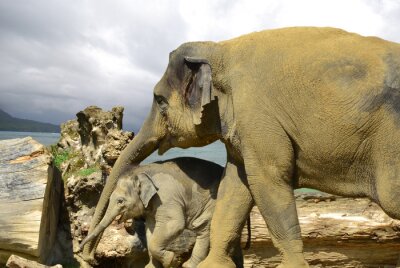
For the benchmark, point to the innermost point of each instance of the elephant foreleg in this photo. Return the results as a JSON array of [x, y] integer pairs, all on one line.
[[233, 205], [200, 250], [150, 225], [165, 231], [269, 174]]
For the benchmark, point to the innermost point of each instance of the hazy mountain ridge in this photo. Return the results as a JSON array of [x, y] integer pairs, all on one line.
[[10, 123]]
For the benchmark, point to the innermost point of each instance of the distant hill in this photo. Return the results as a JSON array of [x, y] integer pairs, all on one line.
[[9, 123]]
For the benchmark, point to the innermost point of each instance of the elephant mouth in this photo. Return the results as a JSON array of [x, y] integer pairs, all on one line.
[[170, 141], [120, 218], [164, 145]]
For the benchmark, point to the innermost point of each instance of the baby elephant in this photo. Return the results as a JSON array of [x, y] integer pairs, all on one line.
[[171, 195]]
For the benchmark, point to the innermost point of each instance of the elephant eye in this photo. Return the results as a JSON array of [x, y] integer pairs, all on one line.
[[161, 102], [120, 201]]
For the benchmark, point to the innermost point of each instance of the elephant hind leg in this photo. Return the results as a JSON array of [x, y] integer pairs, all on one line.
[[388, 194], [384, 158], [388, 190]]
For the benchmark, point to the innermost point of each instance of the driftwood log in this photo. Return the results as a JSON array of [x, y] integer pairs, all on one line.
[[19, 262], [30, 196], [337, 232]]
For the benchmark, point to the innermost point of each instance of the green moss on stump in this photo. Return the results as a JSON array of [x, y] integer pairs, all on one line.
[[88, 171], [76, 163]]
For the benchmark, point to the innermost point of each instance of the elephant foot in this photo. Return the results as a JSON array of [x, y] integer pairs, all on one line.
[[86, 261], [168, 258], [190, 264], [211, 262]]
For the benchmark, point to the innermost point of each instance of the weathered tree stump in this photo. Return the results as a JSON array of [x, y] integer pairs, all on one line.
[[30, 192], [337, 232]]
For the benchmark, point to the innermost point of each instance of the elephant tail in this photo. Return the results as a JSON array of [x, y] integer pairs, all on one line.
[[248, 242]]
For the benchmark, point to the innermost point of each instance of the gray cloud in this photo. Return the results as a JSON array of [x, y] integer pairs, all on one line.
[[58, 56]]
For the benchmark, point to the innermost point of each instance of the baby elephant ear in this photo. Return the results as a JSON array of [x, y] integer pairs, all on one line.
[[147, 189], [198, 93]]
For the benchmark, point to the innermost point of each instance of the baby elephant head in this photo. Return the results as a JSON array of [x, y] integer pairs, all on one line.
[[129, 199]]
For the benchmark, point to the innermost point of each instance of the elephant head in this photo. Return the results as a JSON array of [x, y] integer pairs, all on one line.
[[129, 200], [185, 113]]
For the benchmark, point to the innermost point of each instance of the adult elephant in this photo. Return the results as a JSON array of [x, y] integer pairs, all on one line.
[[295, 107]]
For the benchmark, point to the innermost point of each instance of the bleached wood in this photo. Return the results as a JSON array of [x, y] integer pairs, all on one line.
[[337, 232], [30, 191], [19, 262]]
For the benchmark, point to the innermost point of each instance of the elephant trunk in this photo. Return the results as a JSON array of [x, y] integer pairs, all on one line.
[[105, 222], [146, 142]]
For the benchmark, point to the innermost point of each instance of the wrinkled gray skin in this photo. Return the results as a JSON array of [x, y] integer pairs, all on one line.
[[295, 107], [171, 195]]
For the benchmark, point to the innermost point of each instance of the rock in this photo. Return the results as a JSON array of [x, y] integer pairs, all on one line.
[[101, 134], [95, 138], [121, 240], [84, 190], [19, 262], [116, 141], [69, 136]]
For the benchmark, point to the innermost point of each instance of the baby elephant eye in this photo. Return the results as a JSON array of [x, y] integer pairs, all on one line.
[[120, 201]]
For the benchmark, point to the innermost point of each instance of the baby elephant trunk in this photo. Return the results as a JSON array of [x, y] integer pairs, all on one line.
[[104, 223]]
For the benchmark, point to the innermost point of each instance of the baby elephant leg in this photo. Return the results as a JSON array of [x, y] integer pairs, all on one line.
[[153, 263], [162, 236], [200, 249]]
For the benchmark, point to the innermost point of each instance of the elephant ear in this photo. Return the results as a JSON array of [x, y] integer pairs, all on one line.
[[147, 188], [199, 93]]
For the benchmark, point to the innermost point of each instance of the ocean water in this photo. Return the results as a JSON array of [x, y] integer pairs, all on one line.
[[43, 138], [214, 152]]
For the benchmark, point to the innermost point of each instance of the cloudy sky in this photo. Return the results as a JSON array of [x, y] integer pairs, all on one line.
[[59, 56]]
